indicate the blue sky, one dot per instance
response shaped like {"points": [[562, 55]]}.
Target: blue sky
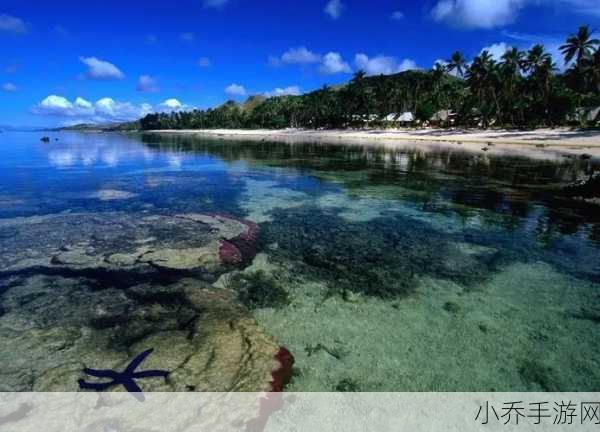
{"points": [[64, 62]]}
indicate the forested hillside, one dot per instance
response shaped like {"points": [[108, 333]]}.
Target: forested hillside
{"points": [[522, 89]]}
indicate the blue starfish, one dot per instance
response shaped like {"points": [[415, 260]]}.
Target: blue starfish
{"points": [[126, 378]]}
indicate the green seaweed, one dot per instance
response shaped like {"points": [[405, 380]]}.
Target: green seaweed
{"points": [[534, 373], [347, 385], [380, 258], [452, 308], [259, 290], [337, 351]]}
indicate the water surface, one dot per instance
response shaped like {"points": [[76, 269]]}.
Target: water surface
{"points": [[380, 270]]}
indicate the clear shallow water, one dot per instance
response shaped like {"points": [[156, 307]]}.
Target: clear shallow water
{"points": [[380, 270]]}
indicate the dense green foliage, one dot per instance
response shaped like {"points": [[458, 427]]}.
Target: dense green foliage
{"points": [[522, 89]]}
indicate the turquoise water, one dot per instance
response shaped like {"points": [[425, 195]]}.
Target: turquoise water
{"points": [[380, 270]]}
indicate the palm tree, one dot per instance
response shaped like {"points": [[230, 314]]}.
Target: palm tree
{"points": [[579, 46], [513, 62], [438, 73], [457, 63], [482, 78], [590, 68], [540, 66], [537, 57]]}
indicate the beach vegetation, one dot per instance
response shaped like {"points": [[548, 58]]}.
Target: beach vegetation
{"points": [[522, 89]]}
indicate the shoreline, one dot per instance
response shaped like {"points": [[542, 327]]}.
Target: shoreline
{"points": [[549, 142]]}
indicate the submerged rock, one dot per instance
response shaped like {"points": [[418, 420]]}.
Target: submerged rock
{"points": [[95, 290], [55, 326], [587, 190], [131, 243]]}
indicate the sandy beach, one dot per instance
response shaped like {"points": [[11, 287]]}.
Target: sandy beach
{"points": [[558, 142]]}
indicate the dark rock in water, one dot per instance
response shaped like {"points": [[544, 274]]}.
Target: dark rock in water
{"points": [[585, 189], [45, 139]]}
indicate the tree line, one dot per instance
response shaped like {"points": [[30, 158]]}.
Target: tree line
{"points": [[522, 89]]}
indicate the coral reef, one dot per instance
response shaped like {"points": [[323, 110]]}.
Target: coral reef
{"points": [[109, 242], [91, 290]]}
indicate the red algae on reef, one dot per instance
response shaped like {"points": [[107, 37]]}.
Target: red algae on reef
{"points": [[240, 249], [282, 375], [229, 254], [273, 401]]}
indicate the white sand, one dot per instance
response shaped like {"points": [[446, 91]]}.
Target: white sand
{"points": [[547, 142]]}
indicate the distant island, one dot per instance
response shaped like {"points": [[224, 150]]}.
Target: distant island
{"points": [[522, 89]]}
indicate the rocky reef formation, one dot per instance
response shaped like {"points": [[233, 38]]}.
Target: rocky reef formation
{"points": [[126, 243], [95, 290]]}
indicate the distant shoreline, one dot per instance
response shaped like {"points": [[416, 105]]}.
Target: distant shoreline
{"points": [[561, 141]]}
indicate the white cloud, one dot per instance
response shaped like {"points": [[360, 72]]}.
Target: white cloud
{"points": [[382, 64], [397, 15], [105, 110], [334, 8], [497, 50], [287, 91], [11, 24], [215, 3], [101, 70], [235, 90], [147, 84], [333, 63], [188, 37], [172, 105], [407, 64], [473, 14], [9, 87], [204, 62], [487, 14], [300, 55], [82, 103]]}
